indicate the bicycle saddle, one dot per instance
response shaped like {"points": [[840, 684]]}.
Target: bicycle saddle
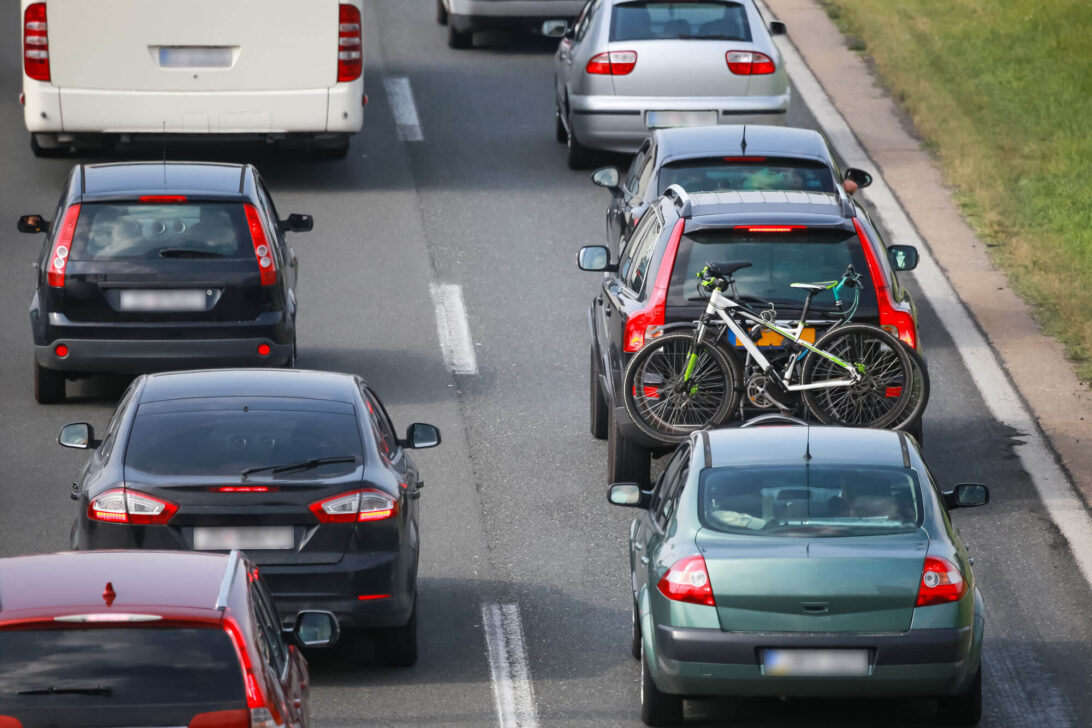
{"points": [[811, 286], [726, 269]]}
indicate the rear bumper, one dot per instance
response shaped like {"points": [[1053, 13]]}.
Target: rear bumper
{"points": [[152, 355], [484, 14]]}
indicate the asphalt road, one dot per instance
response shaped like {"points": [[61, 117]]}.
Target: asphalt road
{"points": [[514, 509]]}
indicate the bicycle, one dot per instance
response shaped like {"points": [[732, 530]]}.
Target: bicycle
{"points": [[855, 375]]}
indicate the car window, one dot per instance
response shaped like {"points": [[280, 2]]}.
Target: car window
{"points": [[635, 167], [269, 624], [643, 246], [109, 437], [674, 477], [644, 174], [387, 441], [137, 230], [273, 218], [587, 18], [810, 501], [685, 20], [722, 174]]}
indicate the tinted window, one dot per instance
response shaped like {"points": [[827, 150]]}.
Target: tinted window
{"points": [[384, 430], [679, 20], [217, 442], [124, 230], [585, 21], [810, 501], [721, 175], [139, 666], [643, 245]]}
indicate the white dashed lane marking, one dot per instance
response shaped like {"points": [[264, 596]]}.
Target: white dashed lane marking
{"points": [[400, 94], [454, 328], [508, 664]]}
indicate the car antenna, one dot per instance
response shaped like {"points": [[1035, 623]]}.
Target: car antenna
{"points": [[164, 142], [743, 141], [807, 443]]}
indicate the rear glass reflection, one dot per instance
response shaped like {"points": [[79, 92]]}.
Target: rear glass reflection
{"points": [[679, 20], [156, 231]]}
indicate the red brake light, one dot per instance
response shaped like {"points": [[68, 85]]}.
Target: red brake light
{"points": [[355, 507], [168, 199], [254, 699], [62, 246], [771, 228], [941, 583], [263, 349], [121, 505], [262, 252], [36, 42], [612, 63], [372, 597], [688, 581], [243, 489], [893, 319], [350, 46], [749, 63], [654, 313], [61, 351]]}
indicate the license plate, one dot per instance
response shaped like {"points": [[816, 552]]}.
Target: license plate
{"points": [[666, 119], [163, 300], [772, 338], [807, 663], [251, 537], [195, 57]]}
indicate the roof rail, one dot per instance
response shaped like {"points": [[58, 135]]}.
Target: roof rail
{"points": [[229, 579], [774, 418], [678, 196]]}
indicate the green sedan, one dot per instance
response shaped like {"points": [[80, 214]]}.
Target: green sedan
{"points": [[802, 561]]}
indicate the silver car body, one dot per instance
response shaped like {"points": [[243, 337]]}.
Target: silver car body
{"points": [[483, 14], [611, 112]]}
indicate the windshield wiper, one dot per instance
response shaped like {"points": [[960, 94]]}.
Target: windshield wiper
{"points": [[103, 690], [300, 465], [189, 253]]}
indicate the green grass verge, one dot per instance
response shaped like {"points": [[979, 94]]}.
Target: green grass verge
{"points": [[1001, 91]]}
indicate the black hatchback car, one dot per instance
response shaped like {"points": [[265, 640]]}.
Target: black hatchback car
{"points": [[301, 469], [158, 266], [788, 237]]}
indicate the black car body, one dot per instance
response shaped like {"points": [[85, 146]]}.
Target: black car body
{"points": [[158, 266], [788, 236], [185, 464]]}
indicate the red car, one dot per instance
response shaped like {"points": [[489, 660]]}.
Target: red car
{"points": [[124, 638]]}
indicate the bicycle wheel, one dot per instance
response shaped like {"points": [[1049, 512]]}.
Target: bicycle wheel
{"points": [[885, 387], [666, 407], [919, 393]]}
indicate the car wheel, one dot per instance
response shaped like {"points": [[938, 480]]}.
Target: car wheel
{"points": [[657, 708], [458, 38], [578, 156], [559, 127], [49, 385], [597, 403], [441, 12], [635, 644], [397, 646], [965, 709], [627, 461]]}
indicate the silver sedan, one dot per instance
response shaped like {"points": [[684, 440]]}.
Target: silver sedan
{"points": [[629, 66]]}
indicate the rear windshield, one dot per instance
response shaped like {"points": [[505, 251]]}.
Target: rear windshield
{"points": [[810, 501], [119, 667], [778, 260], [134, 230], [721, 174], [679, 20], [217, 442]]}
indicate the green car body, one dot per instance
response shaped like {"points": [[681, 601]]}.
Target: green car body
{"points": [[801, 590]]}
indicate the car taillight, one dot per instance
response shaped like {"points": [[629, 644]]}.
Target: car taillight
{"points": [[62, 246], [350, 47], [749, 63], [36, 42], [121, 505], [222, 719], [262, 252], [654, 313], [261, 716], [941, 583], [612, 63], [895, 320], [355, 507], [688, 581]]}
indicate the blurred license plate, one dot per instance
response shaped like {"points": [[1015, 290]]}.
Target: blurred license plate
{"points": [[815, 662], [772, 338], [257, 537], [194, 57], [162, 300], [664, 119]]}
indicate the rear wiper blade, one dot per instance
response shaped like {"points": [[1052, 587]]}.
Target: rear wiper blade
{"points": [[103, 690], [300, 465], [189, 253]]}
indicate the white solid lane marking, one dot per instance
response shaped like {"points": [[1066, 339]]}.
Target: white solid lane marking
{"points": [[453, 328], [512, 690], [1062, 504], [405, 111]]}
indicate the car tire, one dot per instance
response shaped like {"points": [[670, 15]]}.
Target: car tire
{"points": [[635, 644], [397, 646], [560, 133], [965, 709], [657, 708], [441, 12], [457, 38], [578, 156], [627, 461], [597, 404], [49, 385]]}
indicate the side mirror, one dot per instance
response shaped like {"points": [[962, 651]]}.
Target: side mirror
{"points": [[297, 223], [778, 28], [555, 28], [420, 436], [967, 495], [606, 177], [78, 435], [595, 258], [858, 177], [902, 257], [33, 224], [315, 628], [627, 494]]}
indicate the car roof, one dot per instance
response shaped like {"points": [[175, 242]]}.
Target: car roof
{"points": [[126, 179], [51, 583], [714, 209], [773, 141], [265, 383], [791, 444]]}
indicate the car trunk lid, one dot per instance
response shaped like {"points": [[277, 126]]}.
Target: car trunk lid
{"points": [[681, 68]]}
